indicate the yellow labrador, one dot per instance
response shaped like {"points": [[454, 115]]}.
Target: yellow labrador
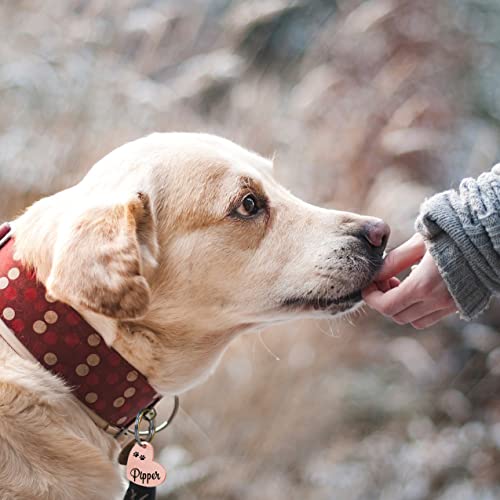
{"points": [[170, 247]]}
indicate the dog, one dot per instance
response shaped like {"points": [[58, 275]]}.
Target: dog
{"points": [[170, 247]]}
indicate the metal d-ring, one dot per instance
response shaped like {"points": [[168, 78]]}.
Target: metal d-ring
{"points": [[149, 414]]}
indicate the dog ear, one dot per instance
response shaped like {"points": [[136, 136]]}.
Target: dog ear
{"points": [[100, 259]]}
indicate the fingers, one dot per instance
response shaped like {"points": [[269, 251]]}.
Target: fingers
{"points": [[433, 318], [420, 314], [402, 257], [400, 297], [396, 261], [369, 290], [385, 286], [422, 299], [388, 303], [394, 282], [412, 313], [422, 309]]}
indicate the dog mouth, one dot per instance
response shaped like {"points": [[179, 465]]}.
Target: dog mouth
{"points": [[327, 304], [323, 302]]}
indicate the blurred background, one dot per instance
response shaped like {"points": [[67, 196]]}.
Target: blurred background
{"points": [[368, 106]]}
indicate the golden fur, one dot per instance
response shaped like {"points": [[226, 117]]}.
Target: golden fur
{"points": [[151, 248]]}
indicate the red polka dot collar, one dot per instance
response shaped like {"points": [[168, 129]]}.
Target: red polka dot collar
{"points": [[64, 343]]}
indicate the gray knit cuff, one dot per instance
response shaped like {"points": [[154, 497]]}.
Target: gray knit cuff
{"points": [[447, 249]]}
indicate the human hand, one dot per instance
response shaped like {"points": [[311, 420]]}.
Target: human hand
{"points": [[422, 299]]}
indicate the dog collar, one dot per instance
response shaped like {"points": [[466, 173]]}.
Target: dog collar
{"points": [[65, 344]]}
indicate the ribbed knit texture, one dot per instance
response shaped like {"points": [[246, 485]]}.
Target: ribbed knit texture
{"points": [[462, 232]]}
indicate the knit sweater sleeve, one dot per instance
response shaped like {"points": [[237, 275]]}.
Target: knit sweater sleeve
{"points": [[462, 232]]}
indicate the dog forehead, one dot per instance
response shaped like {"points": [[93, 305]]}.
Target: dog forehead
{"points": [[215, 165], [177, 164], [204, 152]]}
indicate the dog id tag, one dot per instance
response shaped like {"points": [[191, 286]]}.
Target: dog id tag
{"points": [[141, 467]]}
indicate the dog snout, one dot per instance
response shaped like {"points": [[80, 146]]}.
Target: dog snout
{"points": [[376, 232]]}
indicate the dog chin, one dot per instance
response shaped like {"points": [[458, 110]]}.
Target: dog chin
{"points": [[347, 308], [326, 304]]}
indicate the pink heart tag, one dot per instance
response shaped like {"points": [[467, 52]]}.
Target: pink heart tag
{"points": [[142, 469]]}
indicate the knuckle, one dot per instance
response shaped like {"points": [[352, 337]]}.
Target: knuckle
{"points": [[424, 289]]}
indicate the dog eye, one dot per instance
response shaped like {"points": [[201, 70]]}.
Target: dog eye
{"points": [[249, 206]]}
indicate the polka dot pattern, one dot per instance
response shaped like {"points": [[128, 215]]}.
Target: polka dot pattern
{"points": [[91, 397], [50, 358], [129, 392], [50, 317], [69, 347], [39, 327], [82, 370], [93, 340], [13, 273], [8, 313], [119, 402], [93, 359], [49, 298]]}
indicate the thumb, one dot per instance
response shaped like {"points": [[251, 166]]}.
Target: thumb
{"points": [[402, 257]]}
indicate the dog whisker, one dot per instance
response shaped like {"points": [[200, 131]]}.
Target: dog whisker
{"points": [[277, 358]]}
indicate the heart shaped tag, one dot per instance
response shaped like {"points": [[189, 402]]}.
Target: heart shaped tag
{"points": [[142, 469]]}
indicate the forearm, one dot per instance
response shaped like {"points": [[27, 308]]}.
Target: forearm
{"points": [[462, 232]]}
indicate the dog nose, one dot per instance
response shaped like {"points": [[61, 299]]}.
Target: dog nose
{"points": [[377, 232]]}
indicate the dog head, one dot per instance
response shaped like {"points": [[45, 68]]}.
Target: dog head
{"points": [[185, 240]]}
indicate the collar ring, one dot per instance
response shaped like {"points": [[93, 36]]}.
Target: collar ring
{"points": [[149, 414]]}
